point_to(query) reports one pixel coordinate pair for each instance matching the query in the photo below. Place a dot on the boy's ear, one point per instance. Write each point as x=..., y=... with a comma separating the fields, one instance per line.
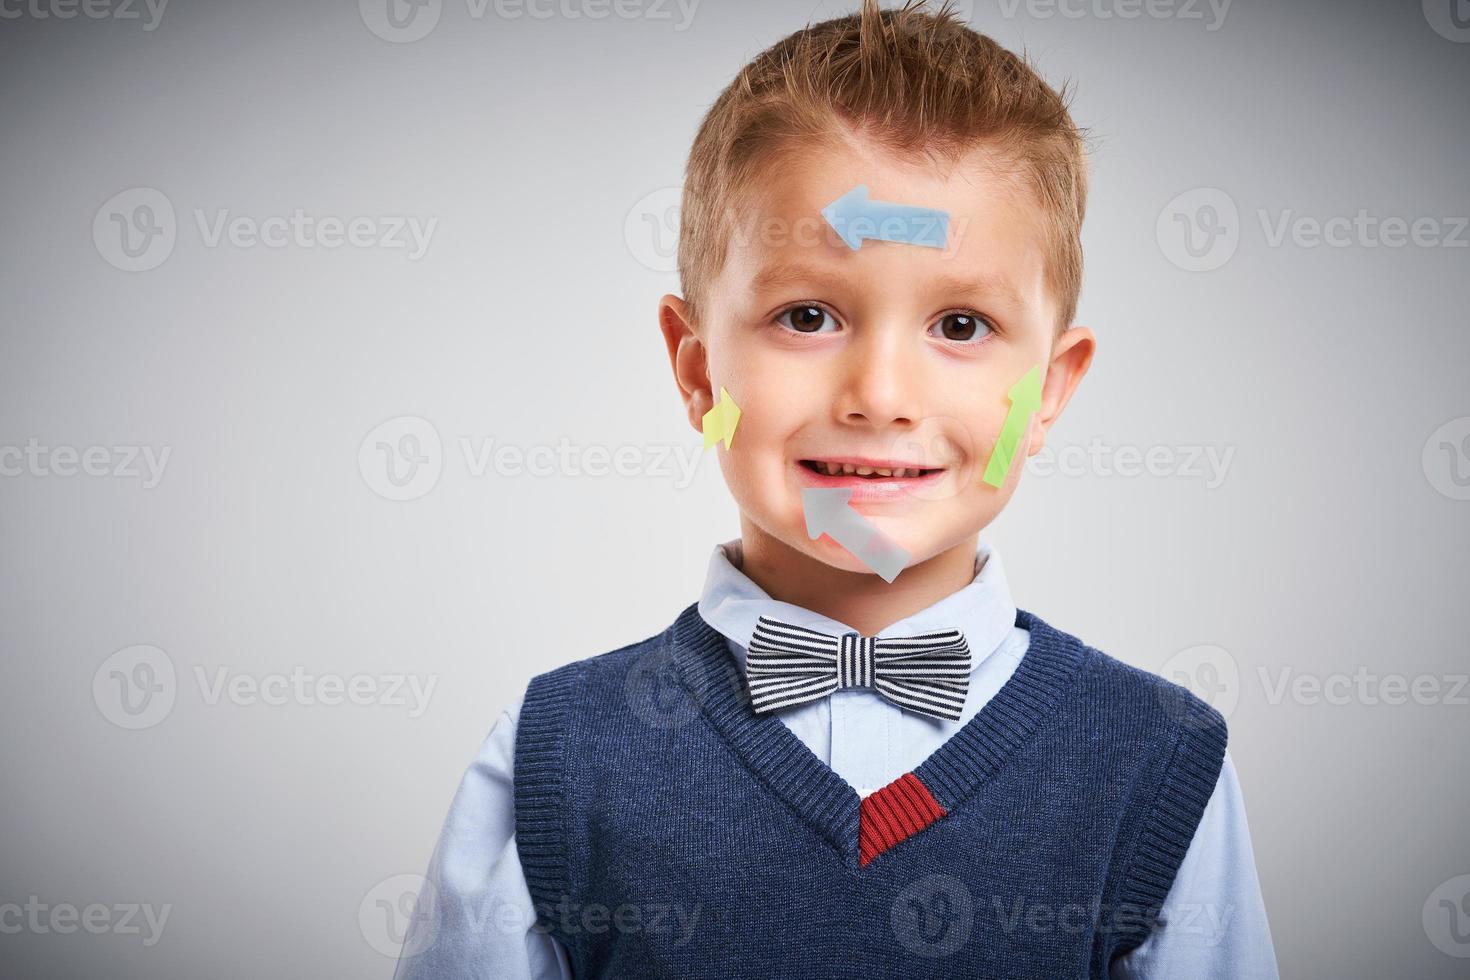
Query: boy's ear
x=1070, y=358
x=687, y=358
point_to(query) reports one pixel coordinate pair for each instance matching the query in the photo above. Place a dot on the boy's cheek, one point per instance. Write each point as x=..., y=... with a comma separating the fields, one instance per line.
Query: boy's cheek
x=764, y=490
x=961, y=445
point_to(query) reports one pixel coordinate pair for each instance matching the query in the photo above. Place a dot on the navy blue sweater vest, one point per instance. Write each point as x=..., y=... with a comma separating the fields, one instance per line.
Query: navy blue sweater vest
x=666, y=830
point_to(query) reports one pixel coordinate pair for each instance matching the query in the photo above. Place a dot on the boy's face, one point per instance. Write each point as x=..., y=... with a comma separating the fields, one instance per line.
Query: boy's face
x=893, y=353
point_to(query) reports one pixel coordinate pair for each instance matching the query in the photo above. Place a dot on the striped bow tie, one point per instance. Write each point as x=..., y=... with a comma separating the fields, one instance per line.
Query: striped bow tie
x=787, y=665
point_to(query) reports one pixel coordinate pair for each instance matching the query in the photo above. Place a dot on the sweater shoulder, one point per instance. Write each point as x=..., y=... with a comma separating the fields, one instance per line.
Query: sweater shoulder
x=568, y=688
x=1177, y=700
x=612, y=660
x=1134, y=690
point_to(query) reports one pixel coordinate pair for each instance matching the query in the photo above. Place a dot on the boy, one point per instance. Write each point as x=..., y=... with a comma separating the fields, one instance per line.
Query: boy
x=854, y=757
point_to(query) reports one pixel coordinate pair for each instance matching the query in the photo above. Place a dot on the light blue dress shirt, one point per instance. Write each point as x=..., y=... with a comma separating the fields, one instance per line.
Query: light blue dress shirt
x=479, y=924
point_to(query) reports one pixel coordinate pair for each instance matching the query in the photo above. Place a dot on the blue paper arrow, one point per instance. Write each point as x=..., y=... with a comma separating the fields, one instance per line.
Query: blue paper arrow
x=855, y=217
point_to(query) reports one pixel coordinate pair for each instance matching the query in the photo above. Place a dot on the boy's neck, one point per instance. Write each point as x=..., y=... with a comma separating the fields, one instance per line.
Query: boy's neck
x=862, y=600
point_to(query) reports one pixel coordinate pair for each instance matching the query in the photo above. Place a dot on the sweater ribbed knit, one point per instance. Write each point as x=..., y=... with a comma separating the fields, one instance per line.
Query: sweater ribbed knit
x=667, y=830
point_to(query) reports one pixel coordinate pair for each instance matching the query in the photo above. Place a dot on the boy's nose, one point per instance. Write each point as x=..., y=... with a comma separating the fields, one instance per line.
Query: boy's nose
x=880, y=387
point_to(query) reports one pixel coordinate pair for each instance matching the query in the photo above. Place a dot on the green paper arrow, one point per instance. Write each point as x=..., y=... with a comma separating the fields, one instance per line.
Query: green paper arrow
x=1025, y=396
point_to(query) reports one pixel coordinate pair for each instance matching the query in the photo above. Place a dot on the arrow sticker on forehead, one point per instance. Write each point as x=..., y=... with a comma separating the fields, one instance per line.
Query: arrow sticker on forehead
x=855, y=218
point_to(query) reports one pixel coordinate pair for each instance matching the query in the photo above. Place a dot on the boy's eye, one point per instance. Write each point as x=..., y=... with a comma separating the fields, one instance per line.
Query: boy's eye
x=806, y=319
x=962, y=327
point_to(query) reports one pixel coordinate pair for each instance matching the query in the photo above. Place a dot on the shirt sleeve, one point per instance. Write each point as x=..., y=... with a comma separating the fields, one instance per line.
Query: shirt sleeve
x=1212, y=925
x=475, y=916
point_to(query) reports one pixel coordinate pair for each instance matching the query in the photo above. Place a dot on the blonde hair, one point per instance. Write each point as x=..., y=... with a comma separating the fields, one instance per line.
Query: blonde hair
x=914, y=80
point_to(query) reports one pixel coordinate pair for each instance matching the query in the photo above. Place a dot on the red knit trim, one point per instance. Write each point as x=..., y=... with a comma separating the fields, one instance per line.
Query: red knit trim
x=894, y=813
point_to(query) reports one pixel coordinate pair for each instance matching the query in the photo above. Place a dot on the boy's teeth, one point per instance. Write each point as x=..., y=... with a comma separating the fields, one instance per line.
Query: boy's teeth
x=852, y=469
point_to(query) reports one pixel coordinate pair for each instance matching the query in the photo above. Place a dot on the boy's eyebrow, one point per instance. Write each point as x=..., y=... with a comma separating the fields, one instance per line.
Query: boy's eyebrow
x=790, y=274
x=982, y=284
x=787, y=274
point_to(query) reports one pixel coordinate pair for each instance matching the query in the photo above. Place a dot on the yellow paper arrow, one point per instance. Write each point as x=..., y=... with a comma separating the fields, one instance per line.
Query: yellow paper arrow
x=720, y=421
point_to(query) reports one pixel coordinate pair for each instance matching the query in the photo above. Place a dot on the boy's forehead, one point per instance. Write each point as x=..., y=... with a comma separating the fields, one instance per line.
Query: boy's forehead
x=994, y=230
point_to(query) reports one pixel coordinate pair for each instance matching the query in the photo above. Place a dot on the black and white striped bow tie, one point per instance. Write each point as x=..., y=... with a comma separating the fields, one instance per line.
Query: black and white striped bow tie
x=787, y=665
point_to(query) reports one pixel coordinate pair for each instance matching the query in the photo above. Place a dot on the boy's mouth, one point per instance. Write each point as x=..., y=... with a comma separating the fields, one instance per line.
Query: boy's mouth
x=869, y=479
x=869, y=469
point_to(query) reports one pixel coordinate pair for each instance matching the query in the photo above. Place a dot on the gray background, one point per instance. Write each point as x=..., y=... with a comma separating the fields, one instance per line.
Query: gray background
x=1335, y=542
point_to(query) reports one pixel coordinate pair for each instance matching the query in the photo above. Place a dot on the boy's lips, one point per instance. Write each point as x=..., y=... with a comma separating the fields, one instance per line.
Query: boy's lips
x=865, y=475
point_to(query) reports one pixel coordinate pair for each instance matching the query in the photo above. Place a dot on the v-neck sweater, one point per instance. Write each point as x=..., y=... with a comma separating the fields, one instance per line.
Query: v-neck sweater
x=1039, y=840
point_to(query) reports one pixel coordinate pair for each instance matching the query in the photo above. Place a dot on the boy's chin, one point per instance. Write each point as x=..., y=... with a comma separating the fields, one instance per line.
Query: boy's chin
x=832, y=554
x=887, y=552
x=915, y=544
x=884, y=545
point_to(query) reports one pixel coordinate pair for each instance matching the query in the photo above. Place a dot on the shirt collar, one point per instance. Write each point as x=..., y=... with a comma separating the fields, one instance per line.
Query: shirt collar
x=982, y=610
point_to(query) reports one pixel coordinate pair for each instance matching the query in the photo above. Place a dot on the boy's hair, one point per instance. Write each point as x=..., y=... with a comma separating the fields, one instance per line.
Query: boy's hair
x=915, y=81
